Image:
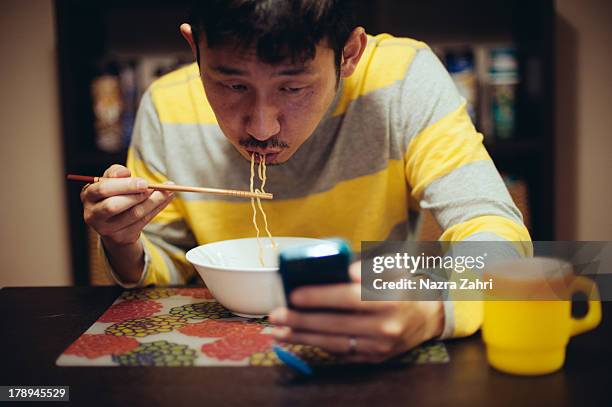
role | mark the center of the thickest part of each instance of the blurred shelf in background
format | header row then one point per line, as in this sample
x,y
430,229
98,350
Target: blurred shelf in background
x,y
97,38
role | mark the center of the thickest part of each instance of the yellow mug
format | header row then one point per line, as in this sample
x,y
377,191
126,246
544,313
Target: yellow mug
x,y
529,336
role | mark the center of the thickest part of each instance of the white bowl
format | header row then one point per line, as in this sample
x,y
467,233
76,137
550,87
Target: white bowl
x,y
232,272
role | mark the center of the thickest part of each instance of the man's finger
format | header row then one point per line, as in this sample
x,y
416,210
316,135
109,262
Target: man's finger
x,y
115,186
117,171
336,344
355,272
335,296
372,325
136,227
115,205
138,211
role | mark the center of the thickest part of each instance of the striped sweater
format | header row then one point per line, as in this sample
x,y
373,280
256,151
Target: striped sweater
x,y
396,138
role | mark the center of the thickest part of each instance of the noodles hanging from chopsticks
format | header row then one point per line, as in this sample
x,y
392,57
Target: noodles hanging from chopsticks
x,y
261,172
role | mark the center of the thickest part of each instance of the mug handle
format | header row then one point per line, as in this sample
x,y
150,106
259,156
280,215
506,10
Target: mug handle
x,y
593,316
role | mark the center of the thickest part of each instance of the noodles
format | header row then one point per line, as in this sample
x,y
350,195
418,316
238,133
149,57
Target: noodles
x,y
255,210
263,178
261,172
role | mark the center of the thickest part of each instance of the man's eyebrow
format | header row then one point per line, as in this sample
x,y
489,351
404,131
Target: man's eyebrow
x,y
298,70
291,71
227,70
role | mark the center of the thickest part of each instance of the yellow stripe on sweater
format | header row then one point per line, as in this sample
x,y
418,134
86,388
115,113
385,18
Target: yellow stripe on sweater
x,y
467,317
441,148
158,270
374,72
339,210
502,227
180,98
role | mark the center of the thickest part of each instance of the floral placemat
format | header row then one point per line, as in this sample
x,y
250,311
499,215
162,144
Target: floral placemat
x,y
187,327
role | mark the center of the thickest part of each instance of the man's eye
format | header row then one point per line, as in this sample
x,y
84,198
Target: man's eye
x,y
236,87
291,90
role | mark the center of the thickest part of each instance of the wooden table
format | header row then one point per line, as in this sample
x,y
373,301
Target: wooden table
x,y
39,323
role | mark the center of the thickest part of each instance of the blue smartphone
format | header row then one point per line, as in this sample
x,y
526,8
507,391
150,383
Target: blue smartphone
x,y
314,264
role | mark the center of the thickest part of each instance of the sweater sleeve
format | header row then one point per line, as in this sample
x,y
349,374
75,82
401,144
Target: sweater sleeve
x,y
167,237
450,172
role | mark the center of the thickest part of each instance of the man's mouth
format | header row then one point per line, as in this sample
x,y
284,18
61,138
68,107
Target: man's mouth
x,y
269,154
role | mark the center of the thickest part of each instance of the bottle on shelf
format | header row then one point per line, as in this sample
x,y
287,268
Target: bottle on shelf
x,y
107,108
503,80
115,101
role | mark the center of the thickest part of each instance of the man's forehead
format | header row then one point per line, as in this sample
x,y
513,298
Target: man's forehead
x,y
233,61
232,58
276,70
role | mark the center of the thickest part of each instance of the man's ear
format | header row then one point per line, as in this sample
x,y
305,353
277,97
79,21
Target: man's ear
x,y
188,35
352,51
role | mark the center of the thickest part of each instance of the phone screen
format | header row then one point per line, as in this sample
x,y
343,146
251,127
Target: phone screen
x,y
314,264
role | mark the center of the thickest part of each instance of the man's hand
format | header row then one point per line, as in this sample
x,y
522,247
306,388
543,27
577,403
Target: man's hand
x,y
360,331
118,209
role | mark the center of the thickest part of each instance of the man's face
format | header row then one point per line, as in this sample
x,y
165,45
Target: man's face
x,y
267,109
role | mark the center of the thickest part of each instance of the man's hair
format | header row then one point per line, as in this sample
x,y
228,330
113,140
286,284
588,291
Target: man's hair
x,y
278,30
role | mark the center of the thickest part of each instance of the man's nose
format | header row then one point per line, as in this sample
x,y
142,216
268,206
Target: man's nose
x,y
263,123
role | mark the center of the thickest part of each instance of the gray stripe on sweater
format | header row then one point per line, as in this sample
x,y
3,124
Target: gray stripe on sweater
x,y
474,189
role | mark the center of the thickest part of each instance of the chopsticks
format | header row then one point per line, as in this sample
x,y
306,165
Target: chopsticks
x,y
183,188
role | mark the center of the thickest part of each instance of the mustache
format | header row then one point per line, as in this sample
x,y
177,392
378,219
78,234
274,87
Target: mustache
x,y
273,142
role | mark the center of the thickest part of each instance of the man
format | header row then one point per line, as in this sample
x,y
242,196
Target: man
x,y
358,131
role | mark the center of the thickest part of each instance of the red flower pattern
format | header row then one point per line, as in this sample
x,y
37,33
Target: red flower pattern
x,y
216,329
94,346
130,309
195,293
238,346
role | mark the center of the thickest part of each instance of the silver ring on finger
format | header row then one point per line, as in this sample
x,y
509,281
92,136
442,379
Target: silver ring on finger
x,y
352,345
